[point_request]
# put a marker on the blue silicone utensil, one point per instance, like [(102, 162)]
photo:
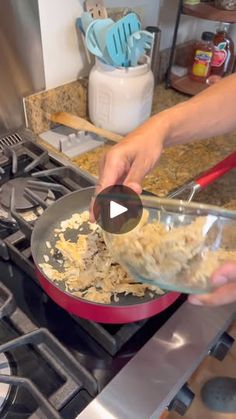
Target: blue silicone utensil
[(138, 43), (83, 22), (91, 40), (86, 19), (117, 38), (79, 25), (100, 29)]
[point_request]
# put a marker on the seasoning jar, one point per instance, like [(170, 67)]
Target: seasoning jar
[(223, 59), (203, 55), (120, 99)]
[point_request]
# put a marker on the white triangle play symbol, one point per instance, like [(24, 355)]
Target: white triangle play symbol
[(116, 209)]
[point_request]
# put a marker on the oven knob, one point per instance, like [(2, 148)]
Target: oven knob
[(182, 401), (222, 347)]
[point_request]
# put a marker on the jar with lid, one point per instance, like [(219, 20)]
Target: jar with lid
[(120, 99), (203, 55), (223, 59)]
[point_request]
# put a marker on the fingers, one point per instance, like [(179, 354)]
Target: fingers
[(226, 273), (136, 174), (136, 187), (91, 212), (224, 279), (113, 168), (220, 296), (129, 161)]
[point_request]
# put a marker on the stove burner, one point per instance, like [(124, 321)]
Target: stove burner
[(22, 203), (4, 388)]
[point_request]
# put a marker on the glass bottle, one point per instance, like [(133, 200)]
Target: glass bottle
[(223, 59), (203, 55)]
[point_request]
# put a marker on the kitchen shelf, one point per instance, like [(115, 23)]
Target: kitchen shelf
[(186, 85), (209, 12), (184, 58)]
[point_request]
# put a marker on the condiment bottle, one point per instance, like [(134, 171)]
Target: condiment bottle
[(203, 55), (223, 59), (191, 2)]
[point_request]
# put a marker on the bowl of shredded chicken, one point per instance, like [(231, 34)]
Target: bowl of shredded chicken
[(176, 246)]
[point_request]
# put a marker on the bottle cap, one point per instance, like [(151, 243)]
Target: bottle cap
[(223, 27), (208, 36)]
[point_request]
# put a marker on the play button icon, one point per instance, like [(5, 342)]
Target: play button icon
[(118, 209)]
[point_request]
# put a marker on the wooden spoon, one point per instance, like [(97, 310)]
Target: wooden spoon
[(78, 123)]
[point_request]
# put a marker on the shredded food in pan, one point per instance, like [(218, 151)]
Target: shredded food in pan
[(88, 270), (86, 267)]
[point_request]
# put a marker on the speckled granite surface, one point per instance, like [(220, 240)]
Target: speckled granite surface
[(71, 97), (181, 164)]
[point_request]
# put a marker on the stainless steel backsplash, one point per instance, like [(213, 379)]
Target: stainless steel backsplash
[(21, 59)]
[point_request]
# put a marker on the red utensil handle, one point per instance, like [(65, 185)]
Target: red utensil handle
[(217, 171)]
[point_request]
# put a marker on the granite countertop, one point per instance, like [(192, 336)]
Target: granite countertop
[(180, 164)]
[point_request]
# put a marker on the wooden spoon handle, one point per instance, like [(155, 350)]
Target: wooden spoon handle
[(108, 134), (78, 123)]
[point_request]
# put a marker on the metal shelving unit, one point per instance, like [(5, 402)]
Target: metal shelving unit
[(202, 11)]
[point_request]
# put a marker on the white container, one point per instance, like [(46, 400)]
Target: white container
[(120, 99)]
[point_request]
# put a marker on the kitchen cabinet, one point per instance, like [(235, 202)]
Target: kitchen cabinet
[(203, 11)]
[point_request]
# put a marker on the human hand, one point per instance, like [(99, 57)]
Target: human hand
[(136, 155), (224, 282)]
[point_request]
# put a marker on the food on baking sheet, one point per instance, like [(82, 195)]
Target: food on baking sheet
[(86, 267)]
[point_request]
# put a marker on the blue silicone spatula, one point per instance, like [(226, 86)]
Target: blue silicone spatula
[(117, 38)]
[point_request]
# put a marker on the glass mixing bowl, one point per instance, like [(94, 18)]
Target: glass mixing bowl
[(177, 245)]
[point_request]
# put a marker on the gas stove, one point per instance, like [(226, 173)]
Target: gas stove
[(54, 365)]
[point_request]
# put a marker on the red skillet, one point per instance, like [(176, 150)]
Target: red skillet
[(129, 308)]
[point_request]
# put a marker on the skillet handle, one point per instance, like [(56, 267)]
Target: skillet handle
[(216, 171)]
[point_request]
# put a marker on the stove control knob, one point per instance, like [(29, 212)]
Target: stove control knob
[(222, 347), (182, 401)]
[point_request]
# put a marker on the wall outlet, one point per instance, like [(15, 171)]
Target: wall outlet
[(96, 8)]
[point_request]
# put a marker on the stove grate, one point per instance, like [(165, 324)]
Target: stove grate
[(75, 378), (47, 175), (10, 140), (45, 407), (75, 375)]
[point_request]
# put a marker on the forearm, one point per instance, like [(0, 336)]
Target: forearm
[(212, 112)]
